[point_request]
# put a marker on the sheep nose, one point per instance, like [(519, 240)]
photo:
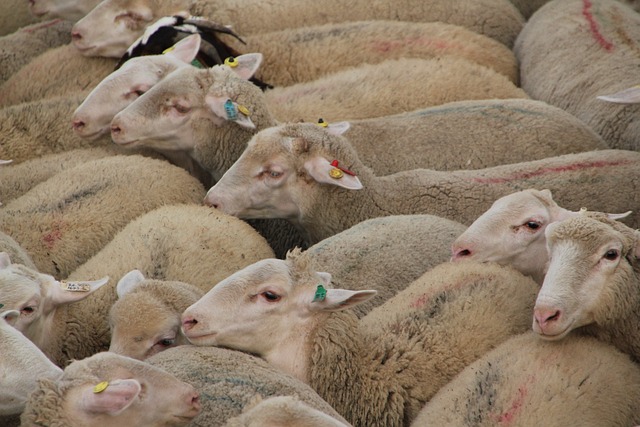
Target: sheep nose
[(78, 124), (115, 129), (460, 253), (545, 317), (188, 323), (211, 201), (76, 36)]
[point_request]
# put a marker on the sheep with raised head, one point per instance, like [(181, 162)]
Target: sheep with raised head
[(19, 48), (415, 343), (65, 220), (512, 231), (112, 390), (22, 365), (592, 282), (145, 319), (528, 382), (430, 138), (110, 28), (571, 51), (315, 180)]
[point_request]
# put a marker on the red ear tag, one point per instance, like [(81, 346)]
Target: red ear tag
[(347, 171)]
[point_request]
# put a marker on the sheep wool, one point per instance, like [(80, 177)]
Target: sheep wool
[(572, 51), (63, 221), (15, 251), (528, 382), (228, 380), (13, 15)]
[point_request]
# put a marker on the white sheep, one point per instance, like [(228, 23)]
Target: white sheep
[(230, 380), (58, 72), (13, 15), (316, 181), (110, 28), (65, 220), (14, 251), (18, 48), (512, 231), (202, 129), (394, 359), (571, 51), (527, 382), (592, 281), (112, 390), (145, 319), (22, 365)]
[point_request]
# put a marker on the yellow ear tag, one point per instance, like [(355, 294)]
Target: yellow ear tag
[(244, 110), (167, 50), (100, 387), (336, 173), (231, 62), (322, 123)]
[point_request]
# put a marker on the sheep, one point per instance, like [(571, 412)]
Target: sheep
[(215, 142), (61, 71), (145, 319), (571, 51), (72, 10), (282, 410), (415, 343), (13, 15), (512, 232), (187, 243), (22, 364), (112, 390), (20, 178), (302, 173), (529, 382), (591, 283), (14, 251), (19, 48), (228, 380), (385, 254), (110, 28), (65, 220)]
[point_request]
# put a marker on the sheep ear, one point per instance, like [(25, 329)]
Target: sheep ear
[(340, 299), (627, 96), (129, 282), (5, 260), (619, 216), (231, 111), (65, 292), (325, 277), (245, 66), (5, 162), (186, 49), (322, 171), (115, 398), (338, 128), (10, 316)]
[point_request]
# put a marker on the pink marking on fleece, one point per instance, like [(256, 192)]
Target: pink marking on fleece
[(438, 44), (49, 239), (508, 417), (593, 25), (544, 171), (422, 300), (33, 29)]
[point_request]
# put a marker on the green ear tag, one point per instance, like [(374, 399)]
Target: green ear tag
[(1, 305), (321, 294)]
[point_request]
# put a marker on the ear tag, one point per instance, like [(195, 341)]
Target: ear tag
[(582, 210), (231, 62), (230, 110), (167, 50), (75, 286), (1, 305), (337, 172), (244, 110), (322, 123), (100, 387), (321, 294), (197, 64)]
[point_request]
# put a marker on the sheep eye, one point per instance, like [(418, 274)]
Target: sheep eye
[(28, 310), (270, 296), (532, 225), (167, 342), (181, 108), (274, 174), (611, 254), (139, 92)]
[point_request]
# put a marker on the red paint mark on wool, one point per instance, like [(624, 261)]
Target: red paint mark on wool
[(34, 28), (51, 238), (593, 25), (422, 300), (544, 171), (384, 46), (508, 417)]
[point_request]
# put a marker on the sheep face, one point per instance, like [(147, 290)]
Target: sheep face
[(512, 232), (278, 176), (114, 25), (71, 10), (591, 277), (37, 296), (119, 89), (113, 390)]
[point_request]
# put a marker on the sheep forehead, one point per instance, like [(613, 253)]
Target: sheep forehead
[(18, 284), (137, 310), (586, 233), (267, 270)]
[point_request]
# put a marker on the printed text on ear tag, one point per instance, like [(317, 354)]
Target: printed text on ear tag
[(74, 286)]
